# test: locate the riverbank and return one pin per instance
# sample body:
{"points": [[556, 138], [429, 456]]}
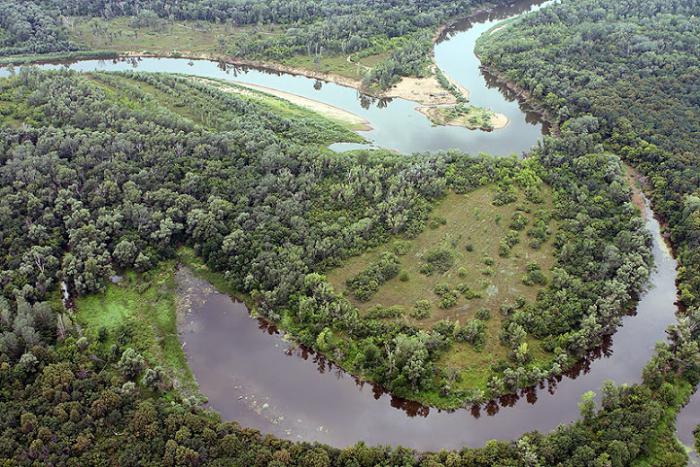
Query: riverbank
{"points": [[473, 118], [523, 96], [356, 122]]}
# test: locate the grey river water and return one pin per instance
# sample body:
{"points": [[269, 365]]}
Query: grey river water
{"points": [[395, 122]]}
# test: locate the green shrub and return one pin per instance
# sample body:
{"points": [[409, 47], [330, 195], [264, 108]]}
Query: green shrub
{"points": [[421, 309], [474, 333], [440, 259], [484, 314]]}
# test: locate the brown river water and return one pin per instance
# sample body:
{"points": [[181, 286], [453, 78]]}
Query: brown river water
{"points": [[252, 374]]}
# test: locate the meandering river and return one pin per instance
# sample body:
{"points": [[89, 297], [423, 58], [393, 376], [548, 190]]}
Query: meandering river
{"points": [[251, 374], [395, 122]]}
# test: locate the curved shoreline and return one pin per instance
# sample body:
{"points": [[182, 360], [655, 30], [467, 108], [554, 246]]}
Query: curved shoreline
{"points": [[498, 121], [330, 111]]}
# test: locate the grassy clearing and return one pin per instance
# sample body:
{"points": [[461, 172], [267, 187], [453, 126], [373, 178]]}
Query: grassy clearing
{"points": [[471, 227], [333, 64], [166, 38], [468, 116], [142, 305]]}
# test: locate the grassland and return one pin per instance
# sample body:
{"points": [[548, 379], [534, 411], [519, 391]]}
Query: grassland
{"points": [[141, 306], [468, 116], [167, 38], [472, 228], [341, 125], [199, 39]]}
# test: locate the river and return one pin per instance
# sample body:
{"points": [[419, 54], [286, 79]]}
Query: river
{"points": [[396, 124], [251, 374]]}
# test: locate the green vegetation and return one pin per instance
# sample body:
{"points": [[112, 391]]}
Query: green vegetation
{"points": [[139, 310], [389, 39], [468, 116], [570, 58], [439, 255], [105, 173]]}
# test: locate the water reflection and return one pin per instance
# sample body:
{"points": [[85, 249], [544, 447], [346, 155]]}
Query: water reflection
{"points": [[252, 374], [395, 122]]}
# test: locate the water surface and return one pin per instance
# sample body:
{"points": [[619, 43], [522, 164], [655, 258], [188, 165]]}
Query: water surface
{"points": [[251, 374], [395, 122], [688, 419]]}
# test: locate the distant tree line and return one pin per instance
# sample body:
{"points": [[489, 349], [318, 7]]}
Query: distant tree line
{"points": [[312, 28]]}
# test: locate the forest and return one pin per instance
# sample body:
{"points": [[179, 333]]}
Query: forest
{"points": [[632, 67], [258, 199], [111, 173], [107, 172], [399, 32]]}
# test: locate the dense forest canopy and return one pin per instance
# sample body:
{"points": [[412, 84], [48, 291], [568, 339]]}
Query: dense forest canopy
{"points": [[99, 190], [636, 67], [106, 172]]}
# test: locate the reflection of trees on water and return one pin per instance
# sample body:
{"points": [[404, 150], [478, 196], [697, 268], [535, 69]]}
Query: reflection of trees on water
{"points": [[532, 116], [496, 14], [367, 101], [416, 409]]}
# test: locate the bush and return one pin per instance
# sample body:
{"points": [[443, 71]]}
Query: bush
{"points": [[474, 333], [483, 314], [440, 259], [441, 289], [382, 312], [504, 249], [445, 327], [518, 221], [400, 247], [534, 275], [366, 283], [449, 300], [421, 309]]}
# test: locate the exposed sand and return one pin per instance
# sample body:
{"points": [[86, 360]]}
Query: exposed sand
{"points": [[498, 28], [499, 121], [426, 91], [357, 122]]}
